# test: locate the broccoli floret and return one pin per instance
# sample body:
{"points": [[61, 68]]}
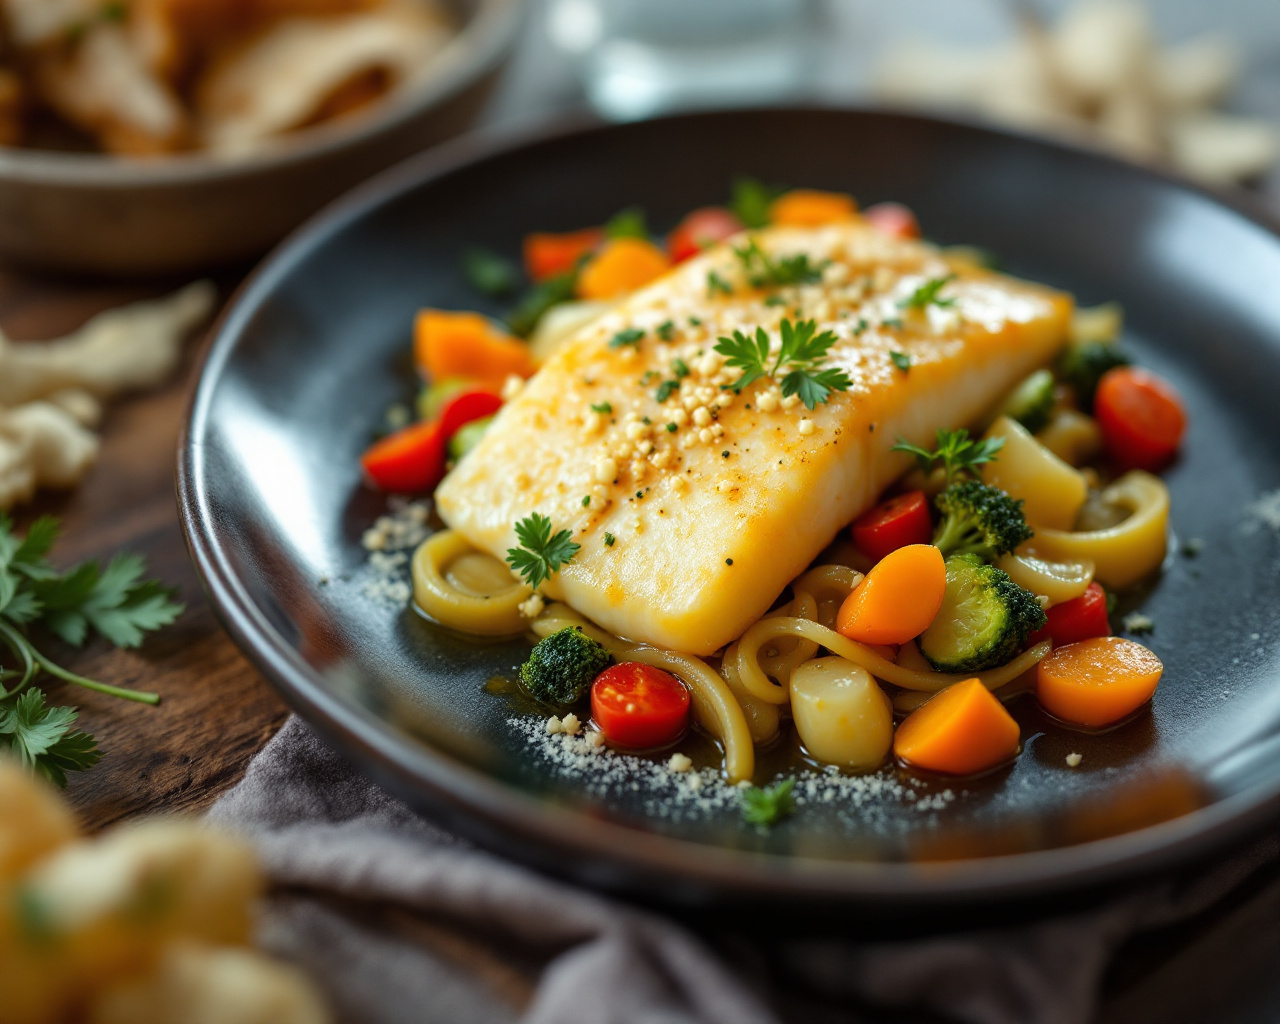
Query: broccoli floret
{"points": [[562, 667], [984, 620], [1031, 401], [1083, 364], [981, 520]]}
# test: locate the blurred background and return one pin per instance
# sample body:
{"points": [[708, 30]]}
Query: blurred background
{"points": [[1194, 82]]}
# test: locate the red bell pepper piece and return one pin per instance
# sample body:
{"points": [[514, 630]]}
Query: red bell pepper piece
{"points": [[409, 461], [1081, 618], [894, 524], [466, 406], [700, 229]]}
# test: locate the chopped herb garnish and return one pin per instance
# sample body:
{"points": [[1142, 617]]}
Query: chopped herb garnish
{"points": [[716, 283], [766, 807], [680, 368], [728, 561], [586, 501], [665, 390], [775, 300], [861, 326], [540, 554], [751, 200], [609, 540], [540, 298], [489, 273], [892, 323], [694, 322], [956, 452], [630, 336], [666, 330], [901, 360], [604, 408], [628, 223], [724, 454], [672, 428], [648, 377], [114, 602], [764, 271], [928, 294], [800, 355]]}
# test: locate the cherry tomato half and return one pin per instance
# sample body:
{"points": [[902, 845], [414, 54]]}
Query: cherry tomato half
{"points": [[409, 461], [893, 524], [700, 229], [639, 706], [893, 219], [1141, 417], [1081, 618]]}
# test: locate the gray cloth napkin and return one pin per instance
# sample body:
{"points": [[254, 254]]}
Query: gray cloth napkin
{"points": [[401, 921]]}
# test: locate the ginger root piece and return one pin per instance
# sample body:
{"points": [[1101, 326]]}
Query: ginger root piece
{"points": [[134, 347], [41, 445]]}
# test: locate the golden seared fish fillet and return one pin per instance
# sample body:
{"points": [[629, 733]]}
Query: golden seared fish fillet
{"points": [[695, 507]]}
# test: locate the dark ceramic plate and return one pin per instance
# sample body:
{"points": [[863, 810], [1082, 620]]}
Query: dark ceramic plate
{"points": [[310, 356]]}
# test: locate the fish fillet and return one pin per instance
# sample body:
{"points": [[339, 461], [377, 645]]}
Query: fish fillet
{"points": [[694, 513]]}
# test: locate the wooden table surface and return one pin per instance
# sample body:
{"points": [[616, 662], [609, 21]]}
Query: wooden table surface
{"points": [[216, 711]]}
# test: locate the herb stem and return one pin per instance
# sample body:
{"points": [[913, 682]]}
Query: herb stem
{"points": [[139, 696]]}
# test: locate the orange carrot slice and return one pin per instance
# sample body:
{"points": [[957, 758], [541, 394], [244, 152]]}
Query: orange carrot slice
{"points": [[467, 345], [621, 266], [898, 599], [961, 731], [1099, 681], [810, 208]]}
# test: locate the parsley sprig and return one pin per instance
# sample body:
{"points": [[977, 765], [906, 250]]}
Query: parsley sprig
{"points": [[956, 452], [540, 554], [800, 355], [766, 807], [765, 271], [751, 201], [115, 602], [929, 294]]}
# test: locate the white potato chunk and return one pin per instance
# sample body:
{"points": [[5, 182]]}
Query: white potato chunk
{"points": [[842, 716], [561, 322], [203, 985], [33, 821], [1051, 491], [108, 906], [1072, 436]]}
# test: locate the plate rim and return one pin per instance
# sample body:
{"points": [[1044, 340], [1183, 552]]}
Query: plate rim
{"points": [[483, 807]]}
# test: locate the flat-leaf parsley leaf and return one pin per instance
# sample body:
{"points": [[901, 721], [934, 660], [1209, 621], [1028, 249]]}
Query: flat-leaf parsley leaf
{"points": [[116, 603], [540, 554], [956, 452], [800, 355], [766, 807], [928, 294]]}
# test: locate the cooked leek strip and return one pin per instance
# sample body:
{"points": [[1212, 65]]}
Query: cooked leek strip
{"points": [[714, 703], [1058, 581], [446, 596], [1122, 554], [755, 681]]}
